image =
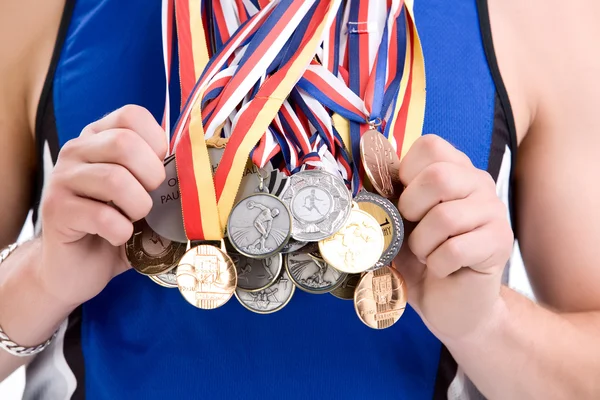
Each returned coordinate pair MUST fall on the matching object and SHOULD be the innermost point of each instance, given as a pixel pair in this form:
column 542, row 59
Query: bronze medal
column 381, row 164
column 380, row 298
column 206, row 277
column 150, row 253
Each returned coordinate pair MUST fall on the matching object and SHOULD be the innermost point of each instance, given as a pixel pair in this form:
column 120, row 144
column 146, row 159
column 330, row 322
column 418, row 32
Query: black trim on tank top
column 45, row 121
column 488, row 46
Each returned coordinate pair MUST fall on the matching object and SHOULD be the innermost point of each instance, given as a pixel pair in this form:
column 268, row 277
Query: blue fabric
column 145, row 342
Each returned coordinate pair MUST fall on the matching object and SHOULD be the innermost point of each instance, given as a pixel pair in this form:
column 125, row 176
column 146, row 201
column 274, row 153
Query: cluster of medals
column 298, row 217
column 304, row 231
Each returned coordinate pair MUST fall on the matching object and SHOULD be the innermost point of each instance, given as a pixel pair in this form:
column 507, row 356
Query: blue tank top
column 138, row 340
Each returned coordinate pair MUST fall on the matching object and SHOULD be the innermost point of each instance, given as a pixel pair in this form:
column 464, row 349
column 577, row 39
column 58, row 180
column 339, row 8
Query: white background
column 12, row 387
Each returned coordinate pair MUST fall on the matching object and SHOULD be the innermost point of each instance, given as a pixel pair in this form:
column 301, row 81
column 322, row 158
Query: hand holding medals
column 296, row 216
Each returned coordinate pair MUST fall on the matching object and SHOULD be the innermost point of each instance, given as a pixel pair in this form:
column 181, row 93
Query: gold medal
column 150, row 253
column 380, row 298
column 357, row 246
column 206, row 277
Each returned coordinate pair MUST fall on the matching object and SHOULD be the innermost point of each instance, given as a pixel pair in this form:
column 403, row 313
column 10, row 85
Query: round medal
column 380, row 298
column 268, row 300
column 346, row 290
column 319, row 202
column 152, row 254
column 168, row 279
column 389, row 220
column 259, row 225
column 381, row 164
column 357, row 246
column 256, row 274
column 292, row 245
column 206, row 277
column 312, row 274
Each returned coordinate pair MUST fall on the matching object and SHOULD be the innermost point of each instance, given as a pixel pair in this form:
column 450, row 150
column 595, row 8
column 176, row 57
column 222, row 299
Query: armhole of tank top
column 45, row 102
column 490, row 53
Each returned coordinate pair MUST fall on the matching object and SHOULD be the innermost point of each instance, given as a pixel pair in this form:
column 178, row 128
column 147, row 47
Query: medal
column 168, row 279
column 357, row 246
column 206, row 277
column 346, row 290
column 380, row 298
column 319, row 202
column 268, row 300
column 312, row 274
column 389, row 220
column 259, row 225
column 152, row 254
column 381, row 164
column 292, row 245
column 257, row 274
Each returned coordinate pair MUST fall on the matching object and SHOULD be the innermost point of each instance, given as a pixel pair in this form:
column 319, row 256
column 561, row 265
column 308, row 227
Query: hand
column 117, row 159
column 454, row 257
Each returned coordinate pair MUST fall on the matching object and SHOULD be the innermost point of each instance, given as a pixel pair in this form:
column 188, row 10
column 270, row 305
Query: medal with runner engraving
column 268, row 300
column 312, row 274
column 259, row 225
column 319, row 202
column 151, row 254
column 389, row 220
column 357, row 246
column 380, row 298
column 168, row 279
column 381, row 163
column 206, row 277
column 346, row 290
column 256, row 274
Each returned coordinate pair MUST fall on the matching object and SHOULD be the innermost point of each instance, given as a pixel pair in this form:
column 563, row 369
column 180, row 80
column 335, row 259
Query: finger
column 484, row 250
column 137, row 119
column 110, row 183
column 450, row 219
column 427, row 150
column 119, row 146
column 440, row 182
column 84, row 216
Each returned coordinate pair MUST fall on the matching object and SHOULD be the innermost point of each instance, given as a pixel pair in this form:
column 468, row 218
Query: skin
column 510, row 346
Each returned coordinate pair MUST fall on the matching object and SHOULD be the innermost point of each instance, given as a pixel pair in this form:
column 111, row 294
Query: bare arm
column 549, row 350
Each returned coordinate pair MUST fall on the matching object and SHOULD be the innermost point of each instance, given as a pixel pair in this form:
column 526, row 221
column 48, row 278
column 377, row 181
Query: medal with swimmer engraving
column 206, row 277
column 380, row 298
column 312, row 274
column 152, row 254
column 168, row 279
column 268, row 300
column 357, row 246
column 259, row 225
column 256, row 274
column 320, row 204
column 389, row 220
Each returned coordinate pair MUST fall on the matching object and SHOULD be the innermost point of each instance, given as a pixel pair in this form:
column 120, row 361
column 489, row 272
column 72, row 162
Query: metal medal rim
column 310, row 289
column 403, row 285
column 227, row 259
column 368, row 170
column 324, row 253
column 302, row 244
column 347, row 298
column 275, row 251
column 389, row 253
column 174, row 249
column 344, row 193
column 271, row 311
column 271, row 283
column 158, row 281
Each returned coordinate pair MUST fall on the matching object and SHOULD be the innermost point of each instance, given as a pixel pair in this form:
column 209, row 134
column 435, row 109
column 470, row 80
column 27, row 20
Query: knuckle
column 445, row 217
column 122, row 142
column 454, row 252
column 69, row 149
column 114, row 177
column 130, row 113
column 437, row 175
column 51, row 204
column 487, row 180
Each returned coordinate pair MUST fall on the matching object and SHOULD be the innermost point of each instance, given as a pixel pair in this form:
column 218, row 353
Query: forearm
column 29, row 315
column 528, row 352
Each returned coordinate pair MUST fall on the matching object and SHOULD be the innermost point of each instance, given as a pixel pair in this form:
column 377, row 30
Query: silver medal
column 168, row 279
column 259, row 225
column 311, row 274
column 390, row 221
column 319, row 202
column 256, row 274
column 268, row 300
column 292, row 245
